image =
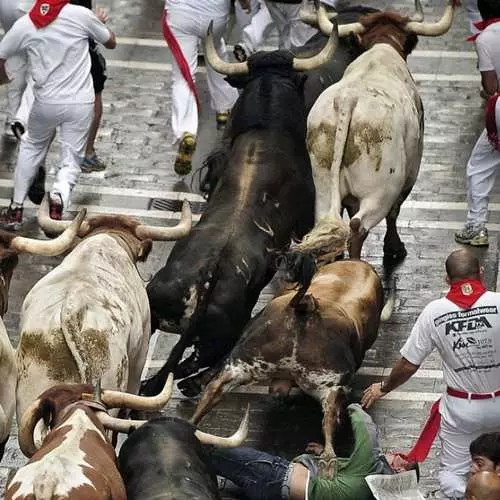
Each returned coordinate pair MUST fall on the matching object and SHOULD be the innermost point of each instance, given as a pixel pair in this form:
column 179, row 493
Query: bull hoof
column 394, row 255
column 327, row 467
column 189, row 387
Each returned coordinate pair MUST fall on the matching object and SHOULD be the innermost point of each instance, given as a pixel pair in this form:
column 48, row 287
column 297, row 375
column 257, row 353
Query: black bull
column 163, row 460
column 261, row 195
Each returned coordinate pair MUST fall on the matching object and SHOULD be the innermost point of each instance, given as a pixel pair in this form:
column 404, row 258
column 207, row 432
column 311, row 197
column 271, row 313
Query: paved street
column 136, row 142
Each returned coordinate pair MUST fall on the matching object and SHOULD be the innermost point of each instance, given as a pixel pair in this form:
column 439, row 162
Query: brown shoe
column 187, row 145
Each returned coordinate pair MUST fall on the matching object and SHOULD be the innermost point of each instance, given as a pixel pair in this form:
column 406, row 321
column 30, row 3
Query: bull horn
column 433, row 29
column 229, row 442
column 168, row 233
column 51, row 226
column 50, row 247
column 223, row 67
column 124, row 425
column 326, row 53
column 326, row 26
column 30, row 418
column 117, row 399
column 418, row 17
column 307, row 16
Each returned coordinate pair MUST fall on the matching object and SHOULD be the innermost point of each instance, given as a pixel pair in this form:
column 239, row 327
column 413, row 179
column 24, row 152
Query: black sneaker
column 55, row 206
column 11, row 218
column 17, row 129
column 36, row 191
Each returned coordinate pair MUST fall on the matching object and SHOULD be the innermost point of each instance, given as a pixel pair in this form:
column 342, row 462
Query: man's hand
column 102, row 15
column 372, row 394
column 245, row 5
column 315, row 448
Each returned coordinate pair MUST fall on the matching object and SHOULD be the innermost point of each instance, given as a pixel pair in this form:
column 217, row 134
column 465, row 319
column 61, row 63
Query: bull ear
column 144, row 250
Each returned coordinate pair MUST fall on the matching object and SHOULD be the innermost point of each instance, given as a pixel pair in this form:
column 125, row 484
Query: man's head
column 483, row 486
column 462, row 264
column 488, row 9
column 485, row 453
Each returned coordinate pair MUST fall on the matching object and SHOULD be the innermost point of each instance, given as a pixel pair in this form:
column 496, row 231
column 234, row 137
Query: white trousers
column 189, row 27
column 291, row 30
column 481, row 173
column 74, row 121
column 462, row 421
column 255, row 27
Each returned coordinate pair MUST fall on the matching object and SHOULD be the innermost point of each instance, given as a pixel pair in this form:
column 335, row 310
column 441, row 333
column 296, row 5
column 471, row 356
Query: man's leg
column 32, row 151
column 184, row 108
column 481, row 173
column 75, row 126
column 222, row 95
column 260, row 475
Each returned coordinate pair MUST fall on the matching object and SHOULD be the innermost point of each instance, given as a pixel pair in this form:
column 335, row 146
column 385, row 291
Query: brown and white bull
column 317, row 341
column 365, row 133
column 75, row 461
column 10, row 247
column 89, row 317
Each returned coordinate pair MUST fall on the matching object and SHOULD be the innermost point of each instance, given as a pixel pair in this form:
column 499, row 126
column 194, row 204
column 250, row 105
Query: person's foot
column 17, row 129
column 55, row 205
column 36, row 191
column 11, row 217
column 221, row 119
column 476, row 236
column 187, row 145
column 240, row 52
column 92, row 164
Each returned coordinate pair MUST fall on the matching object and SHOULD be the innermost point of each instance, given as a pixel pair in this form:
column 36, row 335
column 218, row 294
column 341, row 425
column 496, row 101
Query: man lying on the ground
column 262, row 476
column 483, row 486
column 485, row 453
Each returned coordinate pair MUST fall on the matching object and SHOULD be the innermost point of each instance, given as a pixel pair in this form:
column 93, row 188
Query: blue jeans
column 260, row 475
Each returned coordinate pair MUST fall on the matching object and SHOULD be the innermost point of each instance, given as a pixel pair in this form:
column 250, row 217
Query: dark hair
column 487, row 445
column 488, row 9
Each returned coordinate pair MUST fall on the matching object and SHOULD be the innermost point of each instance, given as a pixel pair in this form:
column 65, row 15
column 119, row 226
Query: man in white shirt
column 485, row 157
column 17, row 106
column 464, row 327
column 58, row 55
column 185, row 24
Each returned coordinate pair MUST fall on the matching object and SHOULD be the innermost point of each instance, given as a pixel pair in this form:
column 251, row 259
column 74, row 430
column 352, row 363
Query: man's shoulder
column 490, row 36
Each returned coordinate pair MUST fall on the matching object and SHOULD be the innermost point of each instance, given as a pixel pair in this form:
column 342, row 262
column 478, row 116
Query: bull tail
column 390, row 303
column 71, row 326
column 330, row 235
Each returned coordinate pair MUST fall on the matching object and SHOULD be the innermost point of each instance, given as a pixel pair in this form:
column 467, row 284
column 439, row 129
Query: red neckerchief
column 482, row 25
column 465, row 292
column 491, row 121
column 44, row 12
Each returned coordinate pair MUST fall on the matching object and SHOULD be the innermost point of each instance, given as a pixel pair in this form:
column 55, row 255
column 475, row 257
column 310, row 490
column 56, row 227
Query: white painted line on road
column 141, row 42
column 166, row 67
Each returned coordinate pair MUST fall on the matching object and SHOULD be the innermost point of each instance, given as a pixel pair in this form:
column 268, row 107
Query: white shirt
column 468, row 341
column 488, row 49
column 203, row 7
column 58, row 55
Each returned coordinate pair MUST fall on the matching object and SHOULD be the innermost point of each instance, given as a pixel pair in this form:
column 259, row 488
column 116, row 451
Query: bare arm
column 490, row 82
column 401, row 373
column 3, row 74
column 102, row 15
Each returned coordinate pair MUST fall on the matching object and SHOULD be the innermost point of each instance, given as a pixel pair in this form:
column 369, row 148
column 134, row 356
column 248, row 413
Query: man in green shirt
column 266, row 477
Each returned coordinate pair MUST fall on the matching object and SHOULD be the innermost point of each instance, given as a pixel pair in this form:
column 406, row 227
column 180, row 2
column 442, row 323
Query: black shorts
column 97, row 70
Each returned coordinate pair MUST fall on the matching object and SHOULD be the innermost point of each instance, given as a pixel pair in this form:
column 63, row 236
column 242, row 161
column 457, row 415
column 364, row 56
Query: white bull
column 89, row 318
column 10, row 247
column 365, row 134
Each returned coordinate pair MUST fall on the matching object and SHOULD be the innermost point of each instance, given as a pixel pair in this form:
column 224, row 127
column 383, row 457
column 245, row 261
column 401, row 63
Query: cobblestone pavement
column 136, row 142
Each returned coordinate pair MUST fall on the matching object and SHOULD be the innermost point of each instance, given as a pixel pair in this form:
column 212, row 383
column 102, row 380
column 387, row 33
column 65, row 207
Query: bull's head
column 400, row 32
column 137, row 236
column 242, row 68
column 55, row 405
column 11, row 246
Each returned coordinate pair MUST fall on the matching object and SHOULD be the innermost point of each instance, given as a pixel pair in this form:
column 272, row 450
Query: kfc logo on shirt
column 44, row 9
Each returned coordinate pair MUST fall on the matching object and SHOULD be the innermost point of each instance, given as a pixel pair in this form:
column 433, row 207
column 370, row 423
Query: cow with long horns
column 315, row 338
column 89, row 317
column 264, row 196
column 75, row 459
column 365, row 133
column 10, row 247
